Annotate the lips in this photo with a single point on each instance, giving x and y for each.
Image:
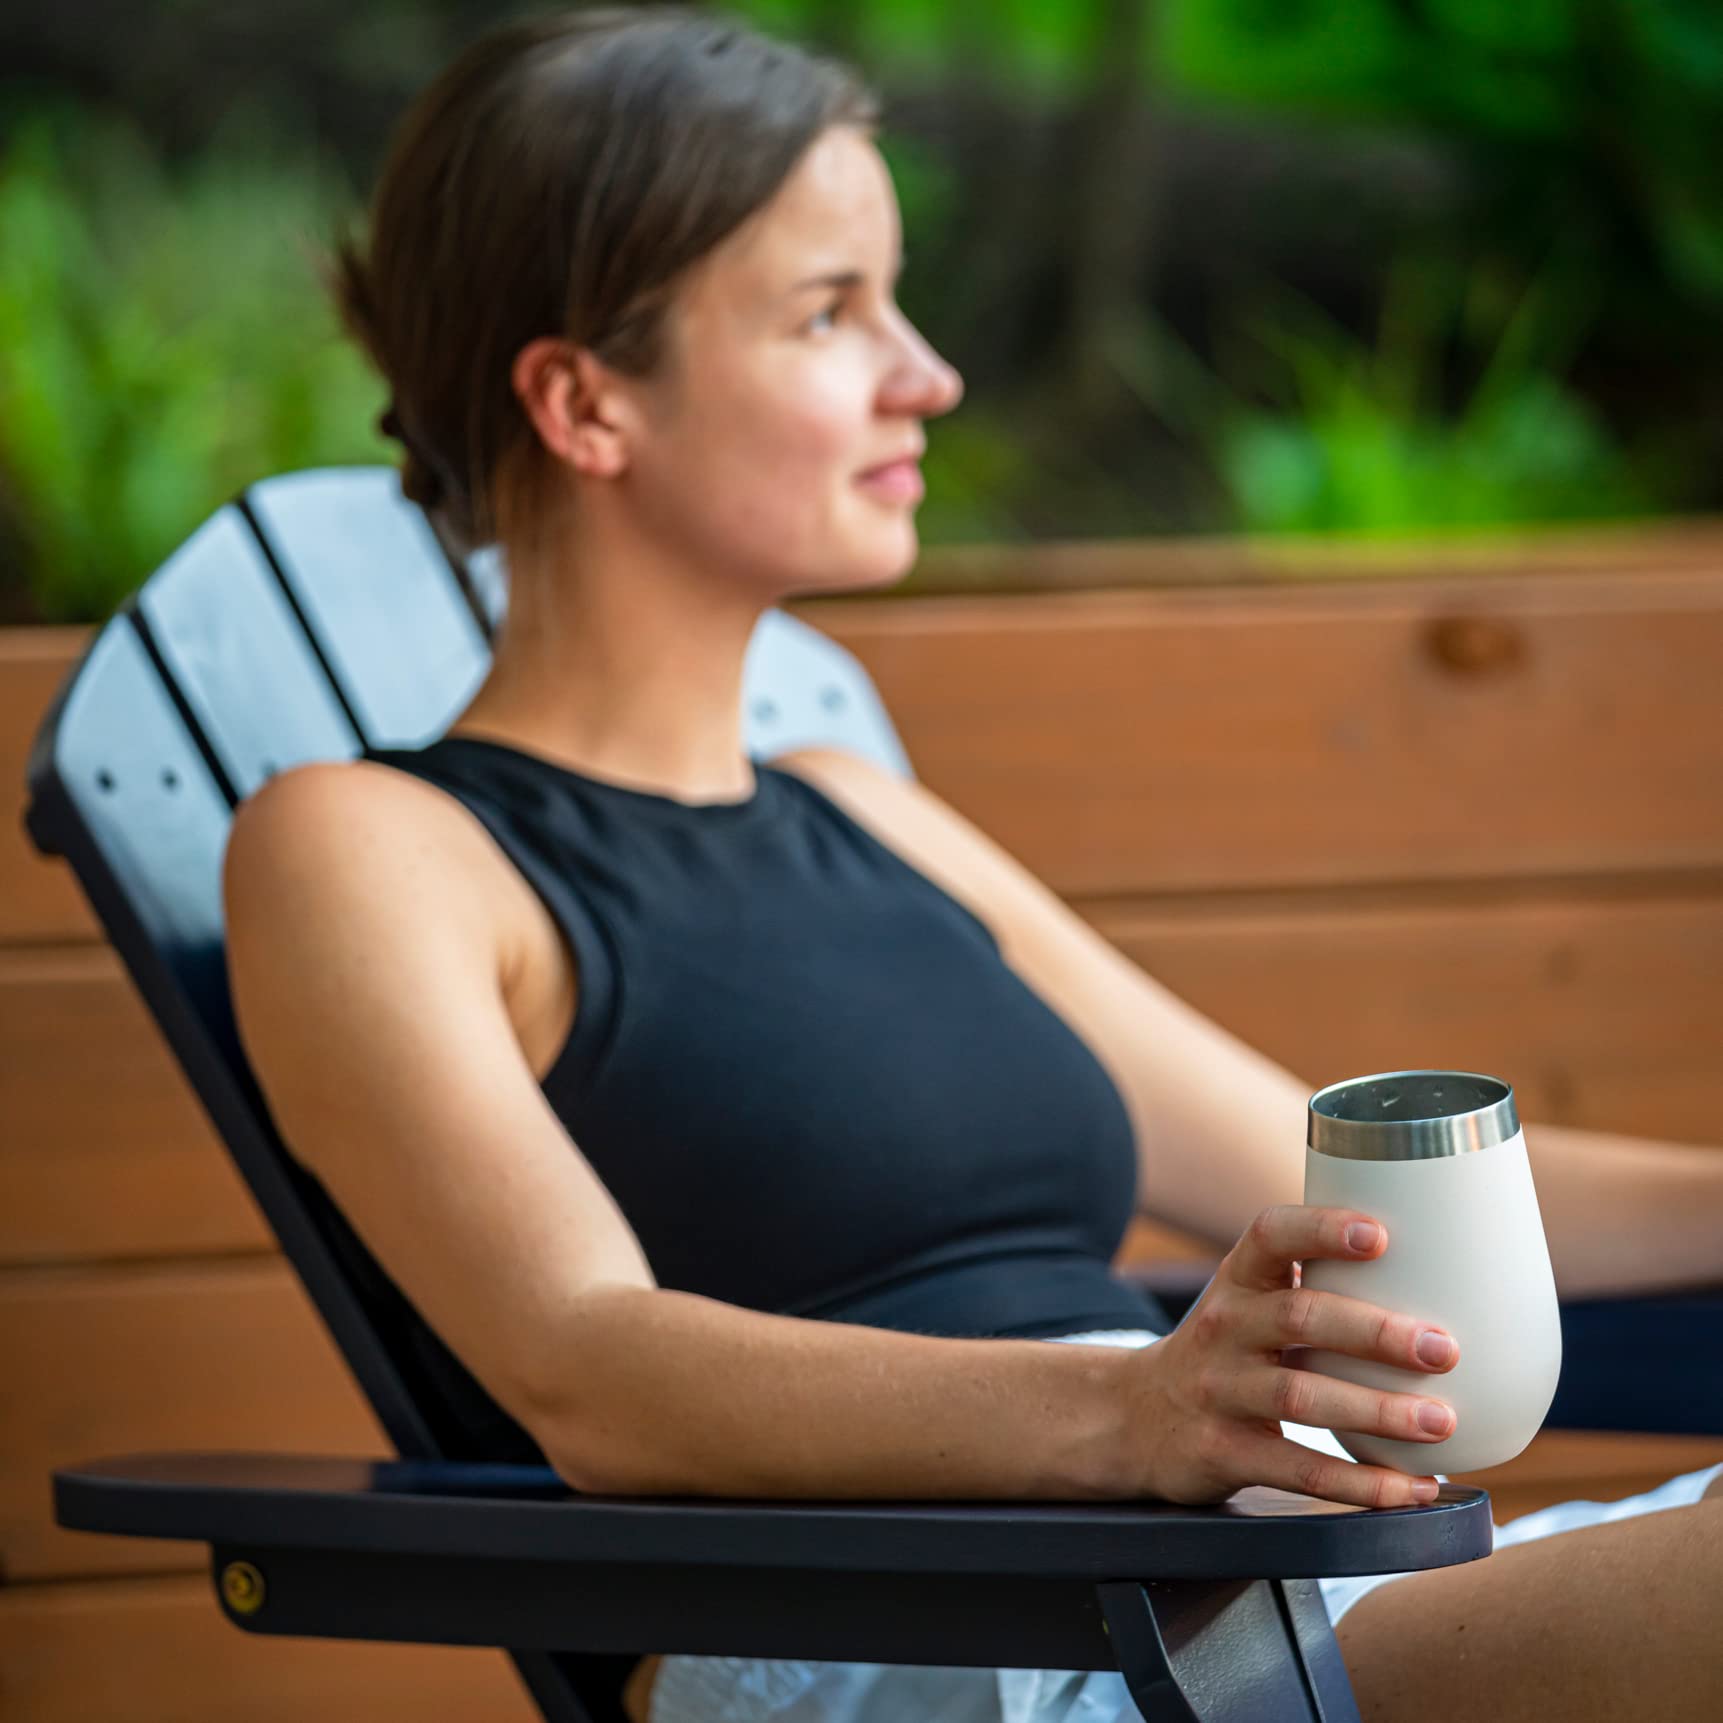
(898, 481)
(909, 458)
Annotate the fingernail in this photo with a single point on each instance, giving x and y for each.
(1362, 1235)
(1433, 1420)
(1426, 1492)
(1434, 1348)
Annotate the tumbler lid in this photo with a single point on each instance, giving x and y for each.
(1411, 1115)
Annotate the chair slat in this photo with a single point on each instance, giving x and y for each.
(121, 788)
(240, 658)
(132, 770)
(490, 582)
(802, 690)
(378, 595)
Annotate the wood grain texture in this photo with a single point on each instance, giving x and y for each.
(1542, 554)
(159, 1650)
(1601, 1006)
(38, 899)
(106, 1152)
(1138, 742)
(102, 1362)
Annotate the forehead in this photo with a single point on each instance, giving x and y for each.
(836, 209)
(840, 193)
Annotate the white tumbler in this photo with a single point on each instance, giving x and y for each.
(1439, 1158)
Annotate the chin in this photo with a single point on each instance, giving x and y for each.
(880, 580)
(889, 569)
(861, 575)
(892, 574)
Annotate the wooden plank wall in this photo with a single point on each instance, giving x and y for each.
(1365, 825)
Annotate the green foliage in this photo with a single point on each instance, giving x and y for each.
(166, 344)
(1465, 64)
(166, 340)
(1598, 114)
(1035, 49)
(928, 196)
(974, 468)
(1311, 429)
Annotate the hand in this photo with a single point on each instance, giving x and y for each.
(1207, 1400)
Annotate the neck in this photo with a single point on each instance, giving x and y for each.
(630, 674)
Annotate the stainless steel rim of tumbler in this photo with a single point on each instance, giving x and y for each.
(1411, 1115)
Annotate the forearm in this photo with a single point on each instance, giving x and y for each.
(1627, 1215)
(670, 1393)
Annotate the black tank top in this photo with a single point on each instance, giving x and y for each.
(803, 1069)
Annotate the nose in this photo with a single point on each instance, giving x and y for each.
(950, 385)
(921, 382)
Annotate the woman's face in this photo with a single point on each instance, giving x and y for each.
(790, 373)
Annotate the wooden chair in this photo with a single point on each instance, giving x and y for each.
(318, 613)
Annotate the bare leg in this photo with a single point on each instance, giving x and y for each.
(1589, 1626)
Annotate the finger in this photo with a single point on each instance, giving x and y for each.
(1288, 1465)
(1326, 1403)
(1293, 1232)
(1306, 1317)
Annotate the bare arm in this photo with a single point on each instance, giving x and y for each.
(369, 989)
(1625, 1215)
(370, 980)
(684, 1395)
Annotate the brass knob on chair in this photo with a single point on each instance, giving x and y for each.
(242, 1587)
(1475, 645)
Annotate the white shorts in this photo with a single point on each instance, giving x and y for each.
(796, 1690)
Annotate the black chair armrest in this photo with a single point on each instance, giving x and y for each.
(455, 1509)
(504, 1555)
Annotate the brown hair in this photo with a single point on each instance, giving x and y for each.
(558, 179)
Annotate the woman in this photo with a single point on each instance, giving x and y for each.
(743, 1130)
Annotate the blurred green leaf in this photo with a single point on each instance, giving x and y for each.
(167, 343)
(1315, 429)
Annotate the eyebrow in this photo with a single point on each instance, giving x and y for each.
(843, 278)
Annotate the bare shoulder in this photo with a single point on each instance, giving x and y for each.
(353, 832)
(934, 837)
(362, 945)
(355, 862)
(360, 829)
(325, 801)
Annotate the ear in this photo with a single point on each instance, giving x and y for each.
(575, 403)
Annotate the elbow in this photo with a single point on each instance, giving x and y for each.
(576, 1413)
(584, 1468)
(610, 1462)
(587, 1452)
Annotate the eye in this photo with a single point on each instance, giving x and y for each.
(831, 310)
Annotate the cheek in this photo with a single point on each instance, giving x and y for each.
(775, 469)
(810, 423)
